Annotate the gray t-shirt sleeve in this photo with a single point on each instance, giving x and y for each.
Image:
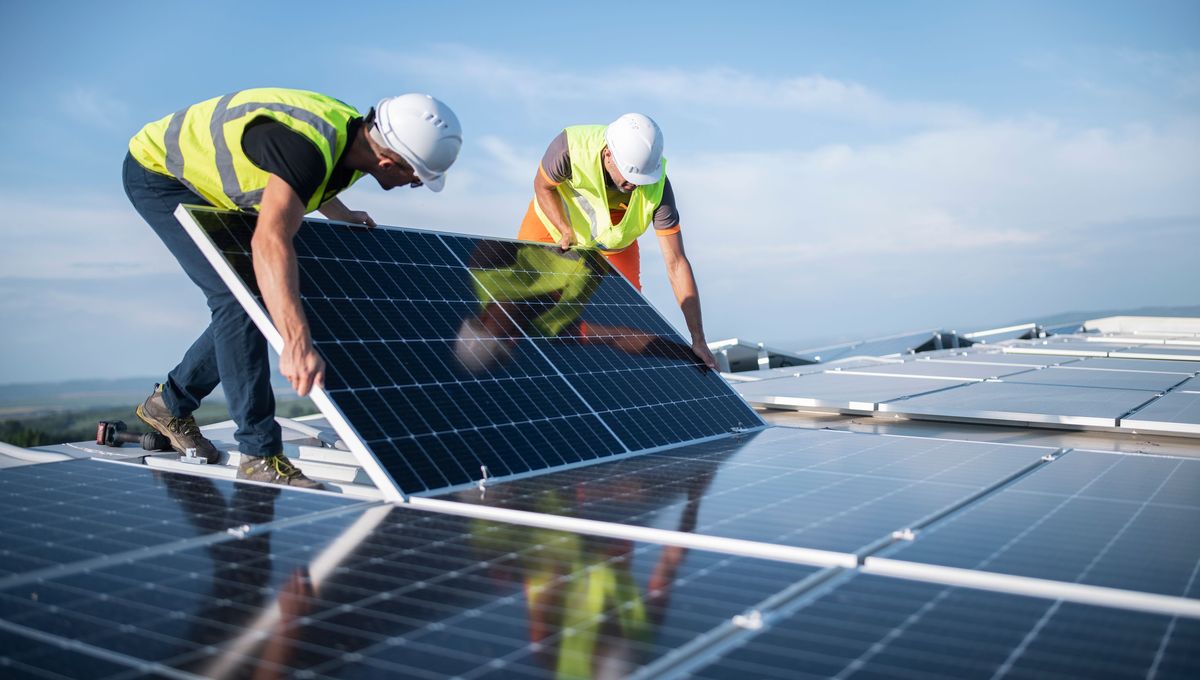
(556, 162)
(666, 215)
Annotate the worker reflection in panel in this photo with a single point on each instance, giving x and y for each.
(241, 573)
(543, 292)
(588, 617)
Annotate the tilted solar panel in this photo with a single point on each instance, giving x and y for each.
(447, 355)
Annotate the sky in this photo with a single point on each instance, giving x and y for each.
(843, 170)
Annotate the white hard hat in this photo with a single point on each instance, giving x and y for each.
(477, 350)
(636, 145)
(424, 131)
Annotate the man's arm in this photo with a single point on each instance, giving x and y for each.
(683, 283)
(278, 277)
(334, 209)
(546, 195)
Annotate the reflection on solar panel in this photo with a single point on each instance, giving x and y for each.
(1116, 520)
(450, 354)
(67, 512)
(874, 627)
(402, 594)
(826, 490)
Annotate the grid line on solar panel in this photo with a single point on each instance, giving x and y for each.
(422, 593)
(813, 489)
(28, 653)
(69, 512)
(1112, 520)
(877, 627)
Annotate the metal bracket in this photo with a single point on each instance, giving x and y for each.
(189, 456)
(483, 469)
(904, 535)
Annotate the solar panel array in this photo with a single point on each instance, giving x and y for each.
(698, 559)
(447, 354)
(1073, 382)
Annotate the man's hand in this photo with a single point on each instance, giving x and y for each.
(700, 349)
(334, 209)
(566, 239)
(359, 217)
(302, 366)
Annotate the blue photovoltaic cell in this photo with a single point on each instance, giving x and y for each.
(874, 627)
(396, 593)
(447, 354)
(613, 347)
(59, 513)
(1118, 520)
(805, 488)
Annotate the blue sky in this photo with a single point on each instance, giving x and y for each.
(842, 171)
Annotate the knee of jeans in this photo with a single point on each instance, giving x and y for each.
(224, 303)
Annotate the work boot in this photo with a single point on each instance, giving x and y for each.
(184, 433)
(276, 469)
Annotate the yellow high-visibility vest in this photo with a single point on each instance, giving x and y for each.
(585, 200)
(538, 271)
(201, 145)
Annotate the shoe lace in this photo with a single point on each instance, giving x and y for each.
(184, 426)
(283, 467)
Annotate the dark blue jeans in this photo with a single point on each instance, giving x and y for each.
(231, 351)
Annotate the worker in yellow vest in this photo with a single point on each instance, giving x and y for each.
(602, 186)
(279, 153)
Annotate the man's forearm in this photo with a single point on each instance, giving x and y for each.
(334, 209)
(547, 197)
(278, 277)
(687, 295)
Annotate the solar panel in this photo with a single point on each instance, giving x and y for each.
(840, 390)
(1086, 377)
(804, 488)
(1176, 412)
(414, 595)
(56, 514)
(1026, 403)
(1115, 520)
(942, 369)
(874, 627)
(1192, 385)
(1000, 358)
(449, 354)
(1069, 348)
(1158, 352)
(1159, 365)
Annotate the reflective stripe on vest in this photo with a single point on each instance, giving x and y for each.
(207, 164)
(585, 199)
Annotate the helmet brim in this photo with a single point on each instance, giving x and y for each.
(643, 179)
(434, 184)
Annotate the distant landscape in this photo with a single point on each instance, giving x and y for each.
(37, 414)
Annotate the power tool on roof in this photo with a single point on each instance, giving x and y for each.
(114, 433)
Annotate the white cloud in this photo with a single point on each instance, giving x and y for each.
(89, 235)
(719, 89)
